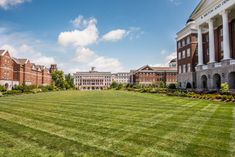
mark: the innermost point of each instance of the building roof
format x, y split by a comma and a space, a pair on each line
163, 68
173, 60
195, 11
148, 68
2, 52
20, 61
92, 73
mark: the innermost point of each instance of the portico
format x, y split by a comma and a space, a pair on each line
208, 26
213, 24
220, 62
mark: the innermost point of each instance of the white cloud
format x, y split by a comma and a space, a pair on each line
85, 35
107, 64
6, 4
167, 60
84, 55
163, 52
26, 51
24, 45
115, 35
11, 49
80, 38
81, 22
90, 58
77, 21
43, 60
176, 2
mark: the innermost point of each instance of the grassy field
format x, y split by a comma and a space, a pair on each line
113, 123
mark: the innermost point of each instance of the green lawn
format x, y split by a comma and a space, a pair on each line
111, 123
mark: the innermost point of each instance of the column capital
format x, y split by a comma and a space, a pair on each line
210, 21
199, 27
224, 12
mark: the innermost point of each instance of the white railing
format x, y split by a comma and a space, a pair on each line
204, 67
217, 65
232, 61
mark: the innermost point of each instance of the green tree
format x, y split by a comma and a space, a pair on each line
114, 84
69, 81
58, 79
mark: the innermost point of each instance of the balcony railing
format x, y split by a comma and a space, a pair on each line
217, 65
204, 67
232, 61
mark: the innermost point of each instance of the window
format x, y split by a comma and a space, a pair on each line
184, 68
221, 32
221, 46
179, 69
188, 52
207, 38
189, 67
183, 43
207, 51
188, 40
183, 54
179, 55
179, 44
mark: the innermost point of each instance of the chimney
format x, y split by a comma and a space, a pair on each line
92, 68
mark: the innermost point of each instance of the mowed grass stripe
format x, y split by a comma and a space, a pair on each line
86, 114
51, 118
70, 123
158, 133
166, 137
81, 101
100, 106
17, 118
50, 138
10, 145
113, 123
232, 135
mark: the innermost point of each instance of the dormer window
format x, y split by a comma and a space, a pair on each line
221, 32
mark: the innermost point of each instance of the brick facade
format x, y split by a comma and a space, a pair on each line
154, 75
212, 59
15, 71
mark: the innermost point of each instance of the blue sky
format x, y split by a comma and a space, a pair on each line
112, 35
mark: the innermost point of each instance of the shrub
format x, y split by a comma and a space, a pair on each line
2, 89
172, 86
224, 88
119, 87
162, 84
47, 88
1, 94
13, 92
37, 90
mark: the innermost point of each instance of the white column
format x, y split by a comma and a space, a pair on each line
200, 49
226, 35
211, 41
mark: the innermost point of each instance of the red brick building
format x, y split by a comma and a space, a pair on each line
15, 71
206, 46
154, 75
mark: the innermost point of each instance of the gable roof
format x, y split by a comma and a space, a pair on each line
196, 10
164, 68
20, 61
3, 52
156, 69
143, 67
201, 8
